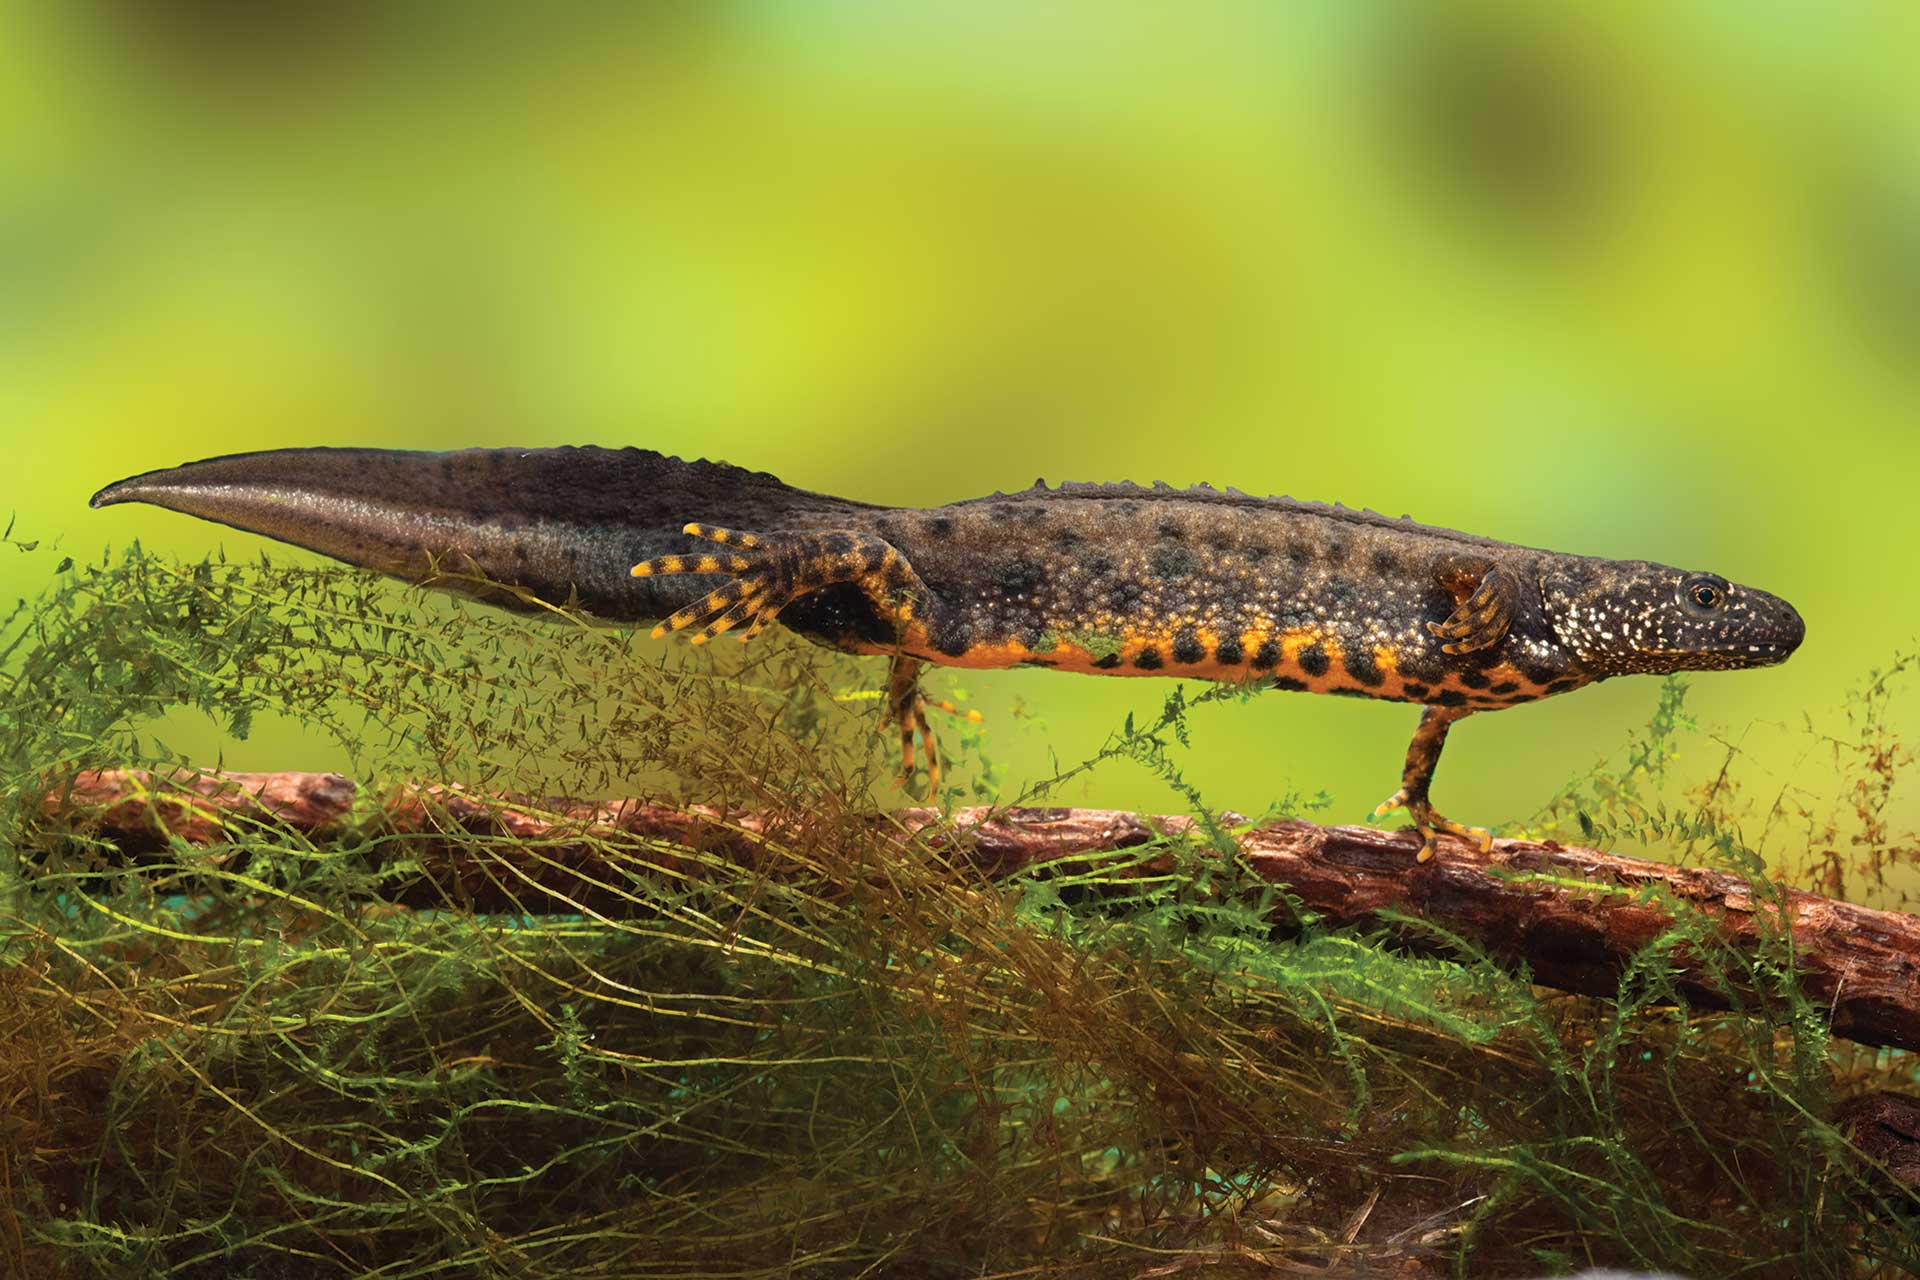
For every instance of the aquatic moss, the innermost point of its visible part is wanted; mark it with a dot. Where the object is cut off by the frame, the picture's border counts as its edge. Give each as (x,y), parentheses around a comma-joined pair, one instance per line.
(250,1062)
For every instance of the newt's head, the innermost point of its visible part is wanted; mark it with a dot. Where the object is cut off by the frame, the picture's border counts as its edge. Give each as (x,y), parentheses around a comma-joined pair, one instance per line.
(1621,616)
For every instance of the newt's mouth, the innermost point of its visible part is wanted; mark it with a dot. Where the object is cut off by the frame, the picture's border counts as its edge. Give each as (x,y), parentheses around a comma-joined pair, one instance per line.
(1761,654)
(1756,653)
(1779,633)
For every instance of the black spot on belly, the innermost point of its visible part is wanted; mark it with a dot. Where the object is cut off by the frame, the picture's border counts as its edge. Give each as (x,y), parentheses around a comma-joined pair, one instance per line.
(1422,665)
(1314,660)
(1415,690)
(1148,659)
(1519,697)
(1170,562)
(1451,698)
(940,526)
(1504,688)
(953,639)
(1107,661)
(1229,654)
(1289,684)
(1540,675)
(1017,577)
(1562,685)
(1035,662)
(1474,680)
(1266,655)
(1344,692)
(1188,649)
(1384,562)
(1361,666)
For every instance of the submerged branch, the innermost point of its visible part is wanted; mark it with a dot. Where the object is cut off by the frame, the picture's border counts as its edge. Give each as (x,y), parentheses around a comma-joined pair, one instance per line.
(1573,917)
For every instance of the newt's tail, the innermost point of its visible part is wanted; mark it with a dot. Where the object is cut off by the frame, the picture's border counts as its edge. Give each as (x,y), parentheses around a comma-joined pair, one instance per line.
(565,524)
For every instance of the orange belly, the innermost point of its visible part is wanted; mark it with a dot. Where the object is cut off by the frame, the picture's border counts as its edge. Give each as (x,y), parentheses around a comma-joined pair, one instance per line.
(1302,660)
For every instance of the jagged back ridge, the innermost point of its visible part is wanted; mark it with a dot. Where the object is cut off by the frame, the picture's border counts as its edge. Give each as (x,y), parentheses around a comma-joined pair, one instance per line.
(1203,492)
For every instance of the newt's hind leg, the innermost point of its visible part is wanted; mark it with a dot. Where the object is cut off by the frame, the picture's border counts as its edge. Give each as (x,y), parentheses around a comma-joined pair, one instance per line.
(907,709)
(771,571)
(1423,754)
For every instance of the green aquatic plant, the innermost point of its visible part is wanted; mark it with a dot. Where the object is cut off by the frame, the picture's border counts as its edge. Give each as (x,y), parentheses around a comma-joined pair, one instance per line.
(851,1054)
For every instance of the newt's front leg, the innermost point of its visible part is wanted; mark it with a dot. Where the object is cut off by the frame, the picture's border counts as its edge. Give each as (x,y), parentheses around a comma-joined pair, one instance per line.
(1423,754)
(771,571)
(907,707)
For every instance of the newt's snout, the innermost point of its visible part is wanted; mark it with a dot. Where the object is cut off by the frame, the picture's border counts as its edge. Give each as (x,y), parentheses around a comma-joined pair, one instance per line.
(1779,632)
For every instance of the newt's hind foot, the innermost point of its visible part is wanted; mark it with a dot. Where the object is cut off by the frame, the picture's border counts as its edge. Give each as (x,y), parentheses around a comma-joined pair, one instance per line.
(1429,824)
(771,571)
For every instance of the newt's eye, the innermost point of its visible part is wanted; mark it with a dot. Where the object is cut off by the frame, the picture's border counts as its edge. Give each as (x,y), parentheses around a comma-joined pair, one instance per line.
(1704,594)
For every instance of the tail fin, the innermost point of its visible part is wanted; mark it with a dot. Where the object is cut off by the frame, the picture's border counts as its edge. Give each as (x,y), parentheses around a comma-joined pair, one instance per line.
(564,524)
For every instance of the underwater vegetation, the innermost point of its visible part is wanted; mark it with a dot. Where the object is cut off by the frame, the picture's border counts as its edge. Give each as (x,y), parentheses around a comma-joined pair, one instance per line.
(843,1058)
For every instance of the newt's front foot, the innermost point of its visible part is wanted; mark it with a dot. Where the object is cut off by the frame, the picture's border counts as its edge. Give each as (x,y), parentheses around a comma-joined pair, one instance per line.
(1429,824)
(907,707)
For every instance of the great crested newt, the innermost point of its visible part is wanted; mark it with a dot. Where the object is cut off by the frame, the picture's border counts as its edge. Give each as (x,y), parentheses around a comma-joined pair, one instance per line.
(1104,579)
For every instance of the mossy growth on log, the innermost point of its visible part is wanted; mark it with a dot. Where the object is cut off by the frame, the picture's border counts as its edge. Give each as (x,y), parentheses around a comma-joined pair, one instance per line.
(846,1055)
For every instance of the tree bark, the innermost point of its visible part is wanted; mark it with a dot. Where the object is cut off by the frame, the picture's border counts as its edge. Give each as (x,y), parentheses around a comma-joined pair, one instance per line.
(1573,917)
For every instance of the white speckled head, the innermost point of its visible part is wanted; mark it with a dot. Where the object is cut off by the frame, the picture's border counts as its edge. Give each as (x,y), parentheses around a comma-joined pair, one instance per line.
(1621,616)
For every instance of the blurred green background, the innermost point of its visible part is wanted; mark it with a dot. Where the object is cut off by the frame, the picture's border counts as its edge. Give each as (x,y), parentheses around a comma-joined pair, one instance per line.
(1637,280)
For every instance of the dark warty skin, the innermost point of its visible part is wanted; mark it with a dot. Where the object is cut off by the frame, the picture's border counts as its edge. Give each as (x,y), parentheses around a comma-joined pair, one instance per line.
(1098,579)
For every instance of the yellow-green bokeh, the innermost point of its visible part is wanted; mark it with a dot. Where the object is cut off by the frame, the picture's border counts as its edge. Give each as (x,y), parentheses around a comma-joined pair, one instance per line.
(1631,280)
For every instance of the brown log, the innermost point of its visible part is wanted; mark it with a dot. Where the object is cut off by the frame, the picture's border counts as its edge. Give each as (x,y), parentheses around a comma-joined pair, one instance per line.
(1886,1129)
(1572,916)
